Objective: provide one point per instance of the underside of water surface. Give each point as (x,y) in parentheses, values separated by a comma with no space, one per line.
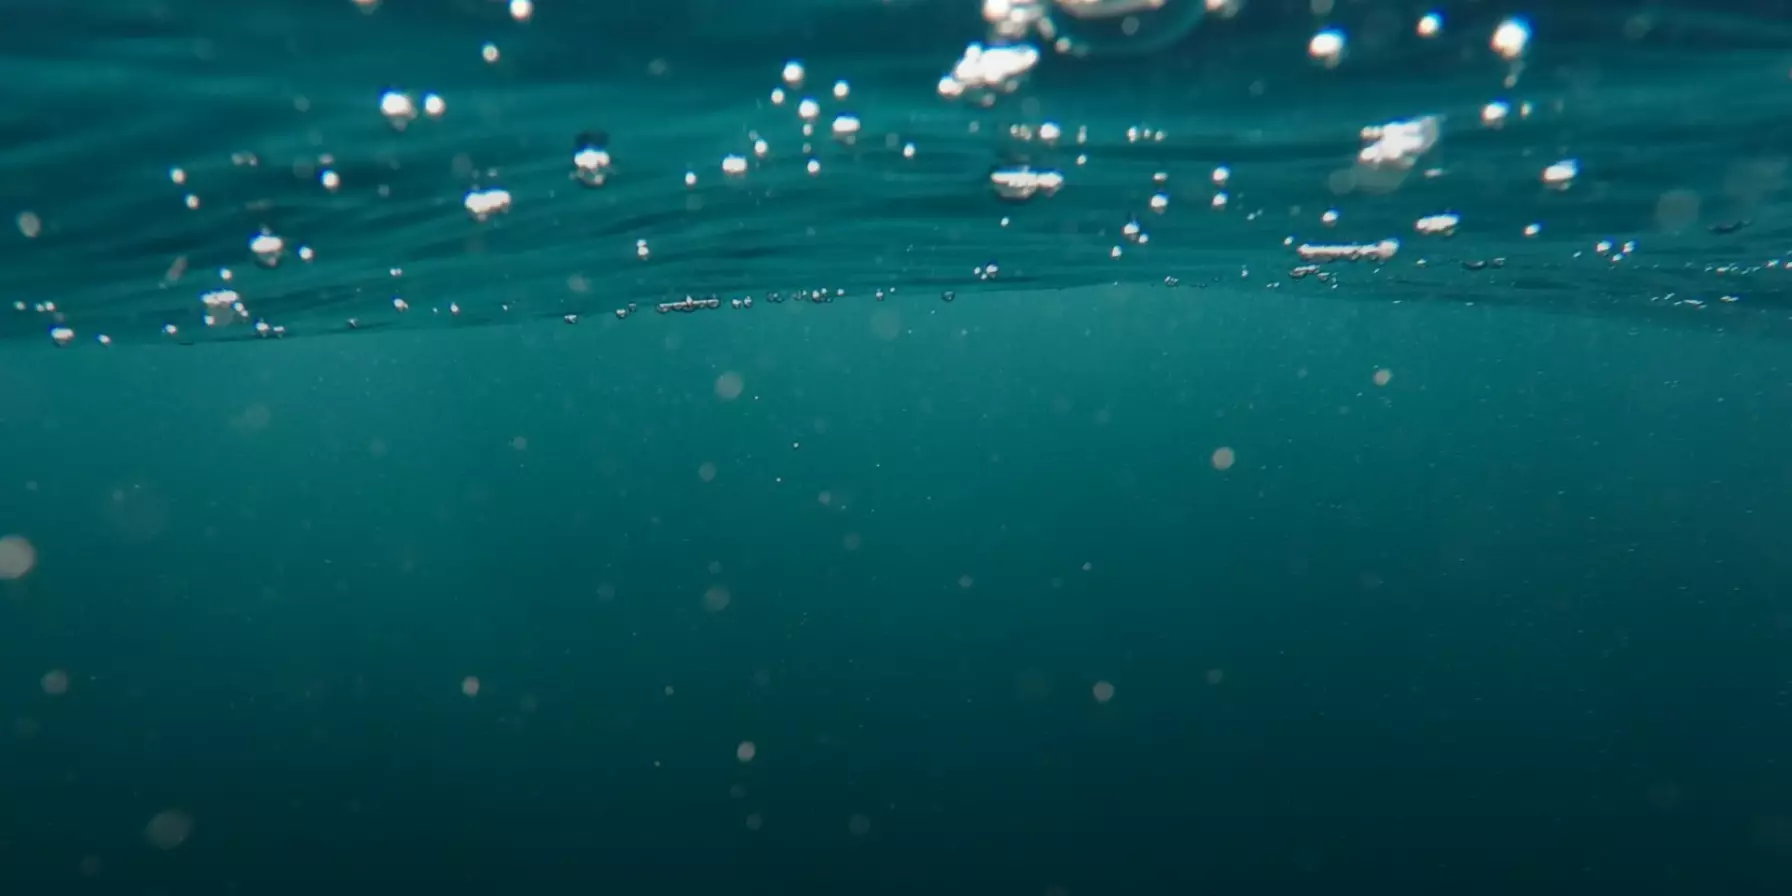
(298,169)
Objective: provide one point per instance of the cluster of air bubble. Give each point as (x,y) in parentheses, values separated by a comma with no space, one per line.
(1018,36)
(1099,27)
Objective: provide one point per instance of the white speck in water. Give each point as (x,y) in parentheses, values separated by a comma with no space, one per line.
(17,557)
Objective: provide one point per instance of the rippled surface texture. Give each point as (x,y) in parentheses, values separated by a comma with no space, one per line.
(1671,113)
(1022,492)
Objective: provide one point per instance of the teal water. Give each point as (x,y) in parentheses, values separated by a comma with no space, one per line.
(1179,571)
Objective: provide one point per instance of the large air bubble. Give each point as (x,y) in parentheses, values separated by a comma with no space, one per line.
(1119,27)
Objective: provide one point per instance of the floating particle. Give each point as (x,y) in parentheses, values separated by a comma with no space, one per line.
(1430,24)
(1381,251)
(965,581)
(706,471)
(846,128)
(1103,691)
(1223,458)
(1329,218)
(808,110)
(734,166)
(813,166)
(483,204)
(17,557)
(469,686)
(434,105)
(29,225)
(398,108)
(168,829)
(858,825)
(1221,175)
(489,52)
(793,73)
(1327,47)
(717,599)
(982,74)
(591,161)
(1561,175)
(841,90)
(1532,229)
(267,248)
(728,386)
(329,179)
(54,682)
(1383,376)
(1438,225)
(1398,144)
(61,336)
(1494,114)
(522,10)
(745,751)
(1511,38)
(1024,183)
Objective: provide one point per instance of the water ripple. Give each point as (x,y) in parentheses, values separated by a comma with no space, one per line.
(1675,122)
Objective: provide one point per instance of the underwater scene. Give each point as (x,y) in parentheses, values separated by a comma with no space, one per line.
(1034,447)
